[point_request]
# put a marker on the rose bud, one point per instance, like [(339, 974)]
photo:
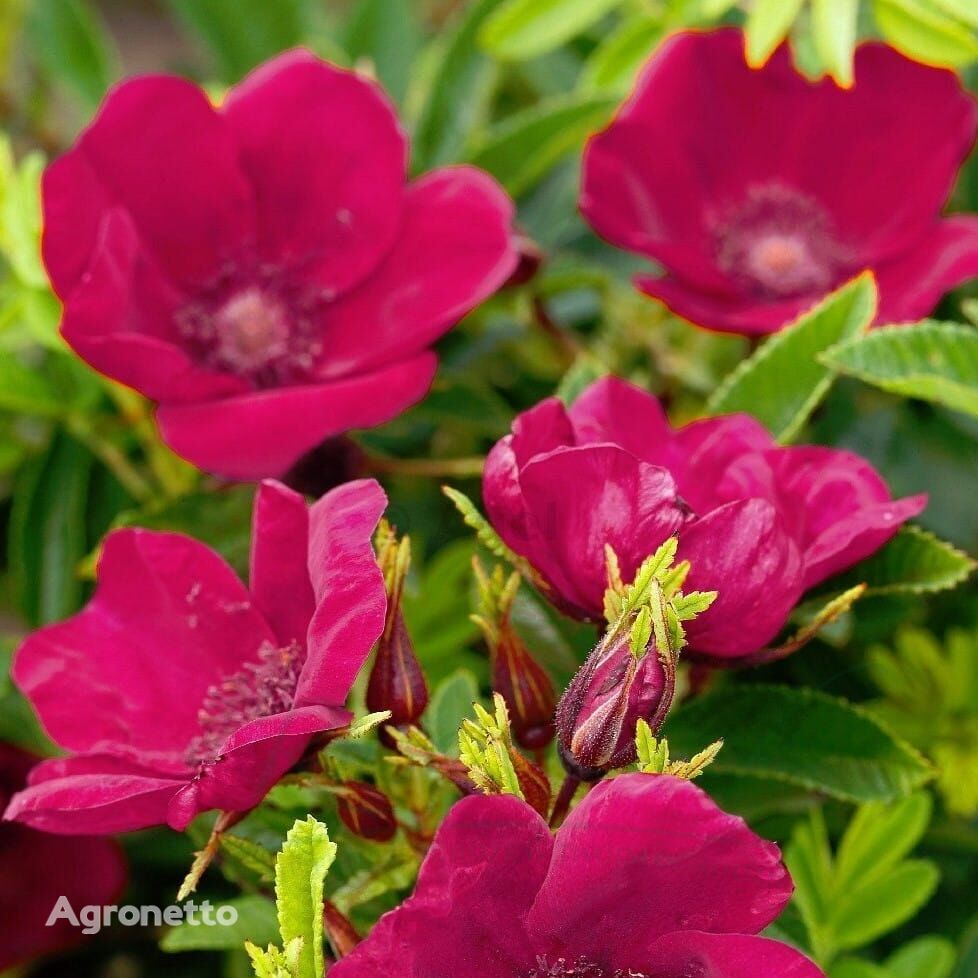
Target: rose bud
[(522, 681), (366, 811), (397, 682), (631, 674), (612, 691)]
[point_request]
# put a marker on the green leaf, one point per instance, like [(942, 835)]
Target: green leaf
[(450, 703), (783, 382), (242, 33), (800, 736), (931, 361), (913, 562), (809, 860), (926, 957), (834, 25), (918, 31), (856, 968), (27, 390), (458, 92), (387, 32), (256, 922), (968, 952), (20, 215), (523, 29), (73, 46), (768, 23), (963, 10), (878, 905), (879, 836), (47, 537), (252, 856), (616, 61), (522, 149), (300, 872)]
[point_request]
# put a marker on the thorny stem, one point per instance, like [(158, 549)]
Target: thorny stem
[(563, 801)]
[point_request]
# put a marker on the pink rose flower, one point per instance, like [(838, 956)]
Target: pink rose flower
[(178, 689), (759, 191), (760, 523), (39, 869), (263, 270), (647, 878)]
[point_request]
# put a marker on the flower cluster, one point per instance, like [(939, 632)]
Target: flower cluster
[(264, 271)]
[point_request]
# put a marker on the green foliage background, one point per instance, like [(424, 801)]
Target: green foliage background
[(886, 890)]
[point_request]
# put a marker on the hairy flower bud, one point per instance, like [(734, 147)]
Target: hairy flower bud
[(397, 681), (366, 811), (527, 689), (598, 714), (523, 683)]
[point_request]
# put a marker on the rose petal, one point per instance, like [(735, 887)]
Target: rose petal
[(454, 248), (743, 551), (168, 620), (351, 601), (264, 433), (474, 889), (280, 562), (326, 157), (643, 855)]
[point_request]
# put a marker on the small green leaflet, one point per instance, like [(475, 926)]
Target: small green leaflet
[(868, 887), (300, 872), (783, 382), (931, 361)]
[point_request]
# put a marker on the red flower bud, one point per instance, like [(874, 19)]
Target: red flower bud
[(366, 811), (534, 783), (526, 688), (612, 691), (397, 682)]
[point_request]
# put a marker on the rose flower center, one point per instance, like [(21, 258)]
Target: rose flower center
[(779, 243), (577, 968), (256, 324), (260, 689)]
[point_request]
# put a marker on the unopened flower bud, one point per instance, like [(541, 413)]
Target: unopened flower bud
[(366, 811), (524, 685), (598, 714), (527, 689), (397, 681)]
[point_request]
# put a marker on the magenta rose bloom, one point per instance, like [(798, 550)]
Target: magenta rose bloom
[(759, 191), (263, 270), (38, 869), (760, 523), (647, 878), (178, 689)]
